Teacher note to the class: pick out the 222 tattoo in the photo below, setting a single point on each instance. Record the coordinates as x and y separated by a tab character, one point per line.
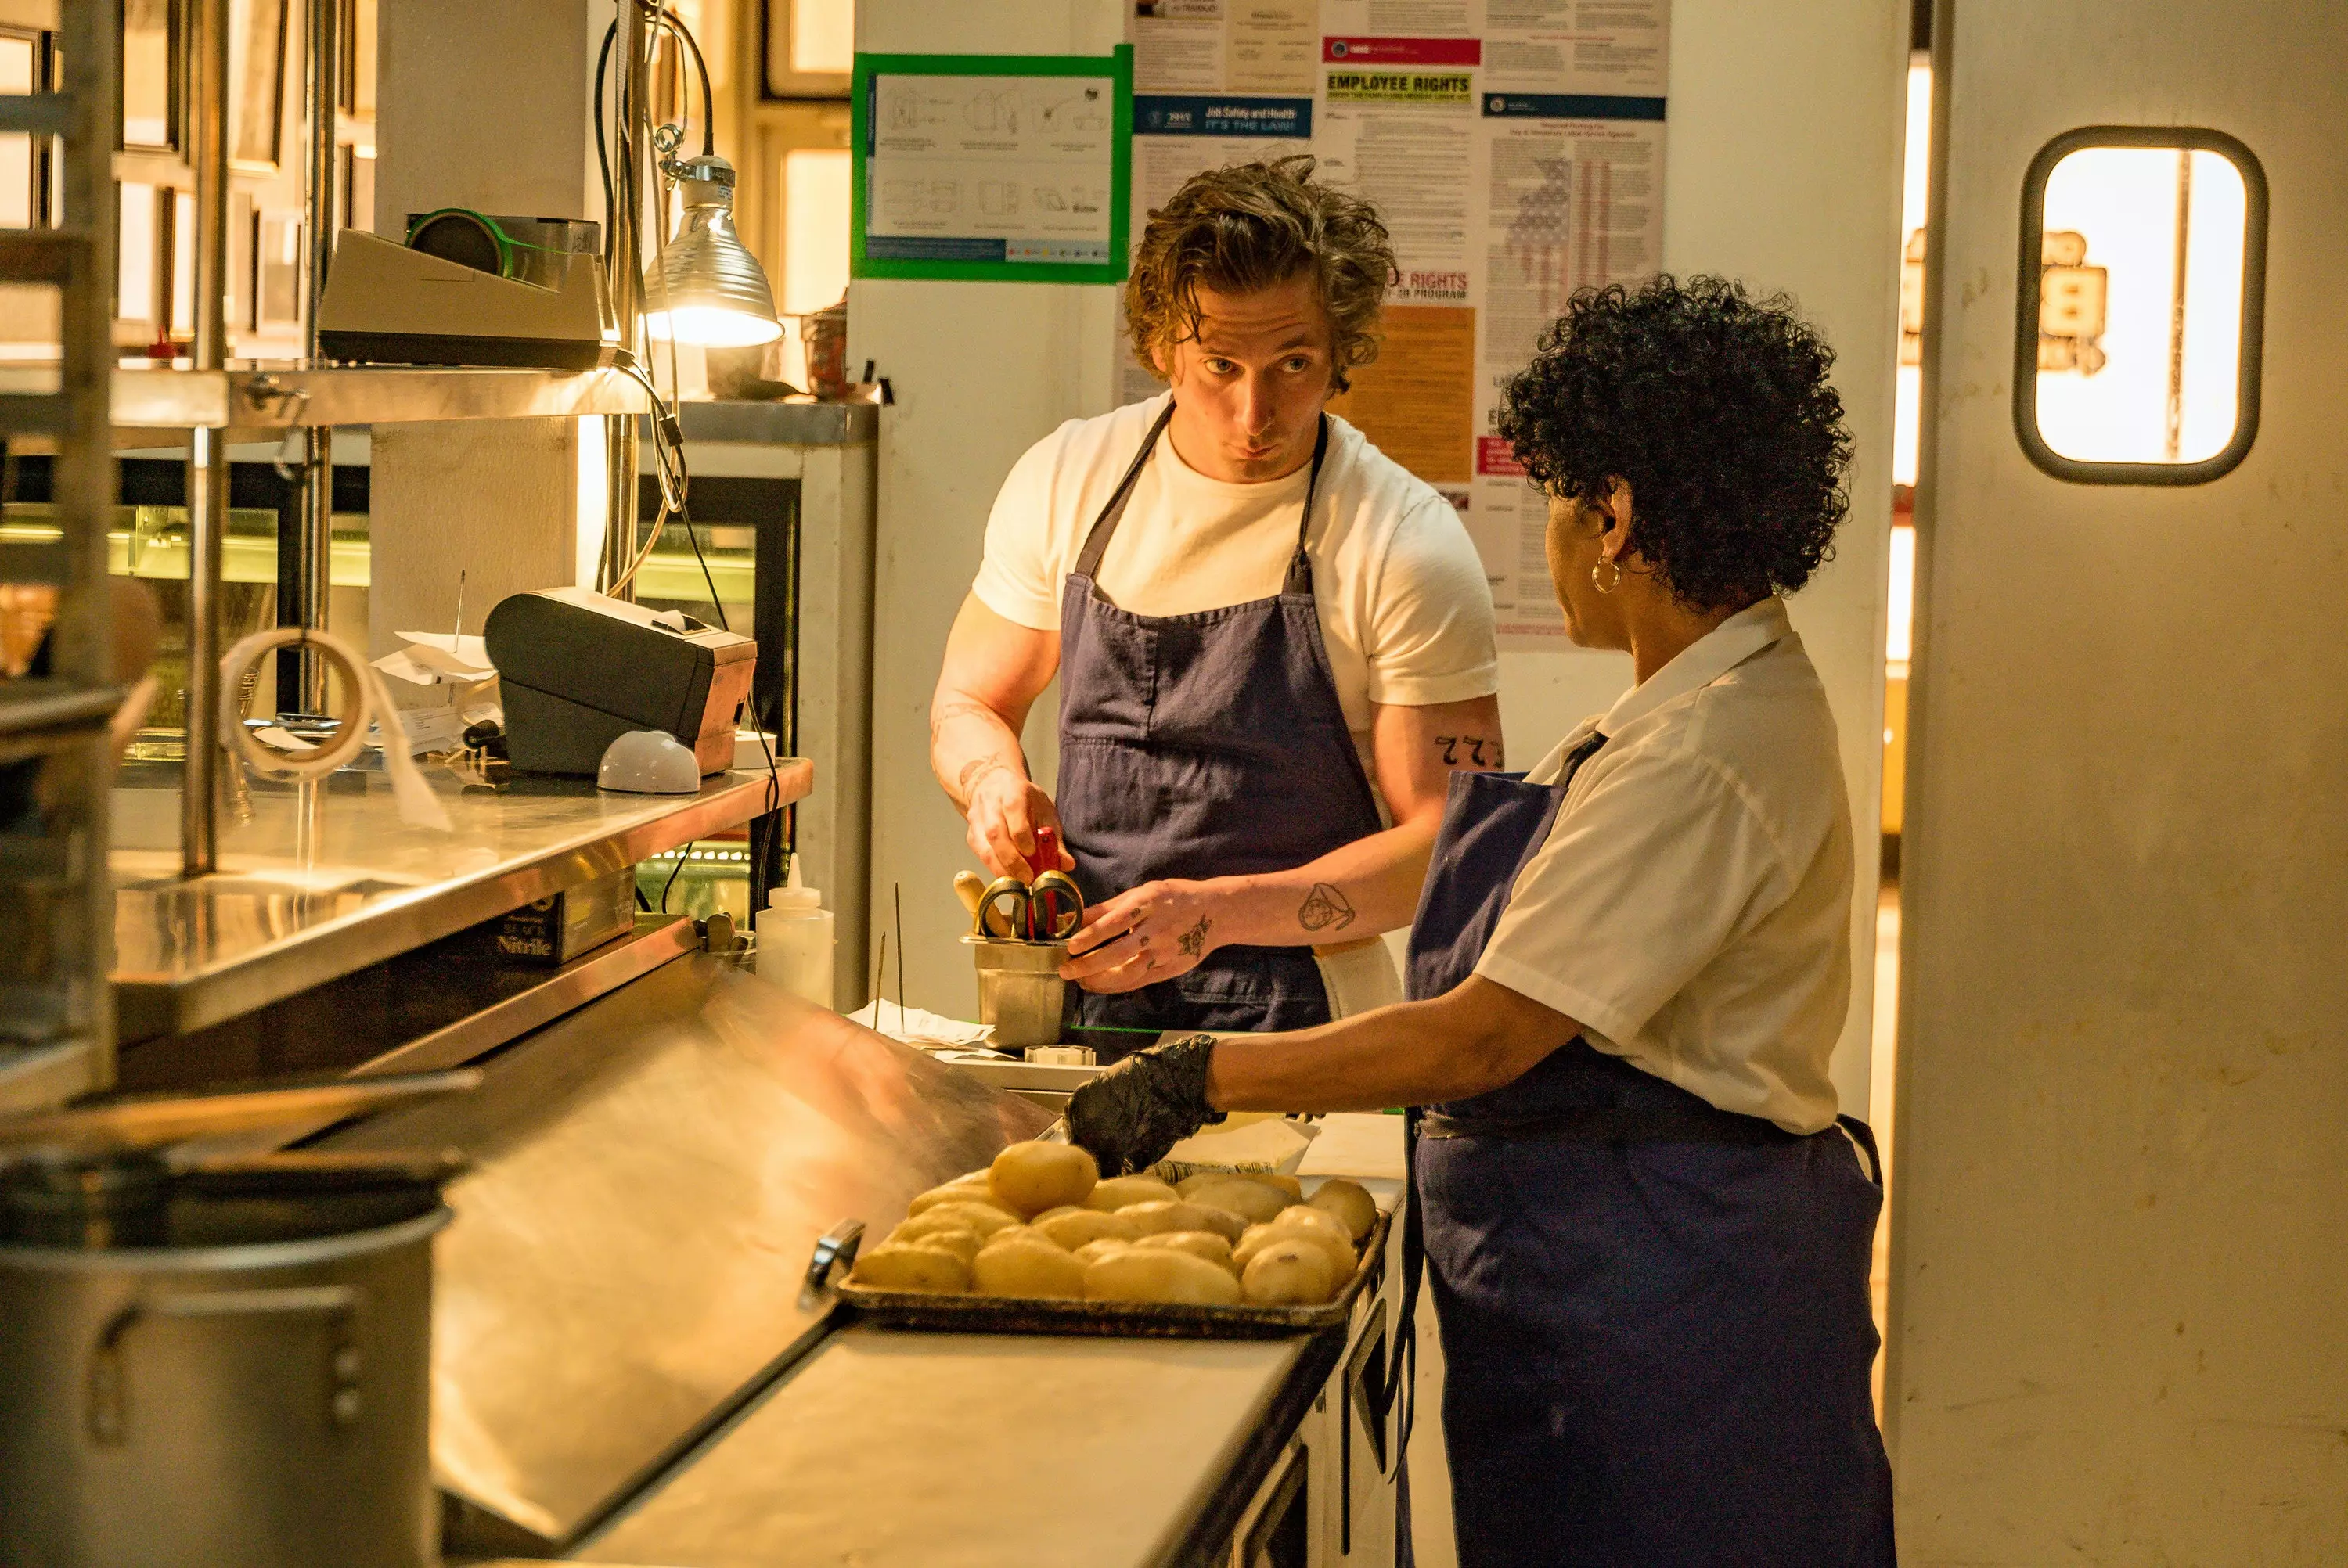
1193	942
1324	909
1475	744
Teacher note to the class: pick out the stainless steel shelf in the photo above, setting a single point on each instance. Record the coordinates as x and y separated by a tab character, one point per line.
250	400
782	424
307	893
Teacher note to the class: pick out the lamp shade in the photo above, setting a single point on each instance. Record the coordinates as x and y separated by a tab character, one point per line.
707	287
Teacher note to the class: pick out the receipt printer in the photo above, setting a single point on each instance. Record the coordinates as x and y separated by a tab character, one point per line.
576	671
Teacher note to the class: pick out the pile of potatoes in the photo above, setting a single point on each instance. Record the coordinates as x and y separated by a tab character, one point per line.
1040	1222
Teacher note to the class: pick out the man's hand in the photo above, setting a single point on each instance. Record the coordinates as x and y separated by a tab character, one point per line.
1004	811
1146	934
1130	1115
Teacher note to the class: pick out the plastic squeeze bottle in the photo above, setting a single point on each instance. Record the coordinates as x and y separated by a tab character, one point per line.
795	939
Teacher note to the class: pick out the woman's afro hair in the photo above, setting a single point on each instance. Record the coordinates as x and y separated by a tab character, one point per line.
1715	408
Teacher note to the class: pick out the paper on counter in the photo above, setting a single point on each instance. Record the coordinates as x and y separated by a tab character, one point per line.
433	656
918	1026
1270	1145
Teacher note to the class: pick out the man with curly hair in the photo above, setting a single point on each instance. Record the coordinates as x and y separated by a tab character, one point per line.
1274	644
1647	1230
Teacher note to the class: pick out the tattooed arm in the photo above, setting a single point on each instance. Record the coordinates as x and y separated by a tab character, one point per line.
994	671
1160	929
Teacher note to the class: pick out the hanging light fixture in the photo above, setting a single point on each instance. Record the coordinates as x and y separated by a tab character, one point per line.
706	287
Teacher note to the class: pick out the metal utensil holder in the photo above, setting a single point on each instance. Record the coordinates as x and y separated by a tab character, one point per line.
1020	990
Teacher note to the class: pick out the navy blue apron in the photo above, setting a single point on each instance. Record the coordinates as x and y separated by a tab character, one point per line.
1654	1313
1201	745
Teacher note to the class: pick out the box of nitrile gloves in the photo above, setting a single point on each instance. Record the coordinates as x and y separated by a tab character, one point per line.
557	929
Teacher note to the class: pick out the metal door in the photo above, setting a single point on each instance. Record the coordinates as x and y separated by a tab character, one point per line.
2120	1206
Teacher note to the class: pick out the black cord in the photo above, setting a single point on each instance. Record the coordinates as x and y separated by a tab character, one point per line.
603	154
708	98
672	876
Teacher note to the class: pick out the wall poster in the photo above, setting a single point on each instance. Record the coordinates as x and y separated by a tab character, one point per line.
1516	149
1003	168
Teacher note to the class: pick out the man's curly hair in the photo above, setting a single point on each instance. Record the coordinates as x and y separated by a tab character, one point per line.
1251	226
1715	408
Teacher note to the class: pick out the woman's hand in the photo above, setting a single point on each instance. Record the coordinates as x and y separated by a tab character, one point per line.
1007	809
1146	934
1131	1114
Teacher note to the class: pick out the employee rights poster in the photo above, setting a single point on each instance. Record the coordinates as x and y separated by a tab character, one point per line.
1516	150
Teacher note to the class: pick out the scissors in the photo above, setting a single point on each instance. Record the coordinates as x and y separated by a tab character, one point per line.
1048	909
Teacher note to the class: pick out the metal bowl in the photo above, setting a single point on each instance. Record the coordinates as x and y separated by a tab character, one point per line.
1020	990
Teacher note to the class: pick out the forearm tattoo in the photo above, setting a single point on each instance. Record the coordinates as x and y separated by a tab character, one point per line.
974	770
1324	909
1193	942
1471	751
960	708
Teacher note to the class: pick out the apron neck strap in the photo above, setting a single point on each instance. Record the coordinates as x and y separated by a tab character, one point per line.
1104	528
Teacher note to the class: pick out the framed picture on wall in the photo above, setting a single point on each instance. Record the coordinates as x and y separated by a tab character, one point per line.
256	73
154	64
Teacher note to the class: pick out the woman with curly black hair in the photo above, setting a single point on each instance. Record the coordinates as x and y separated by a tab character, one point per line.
1648	1231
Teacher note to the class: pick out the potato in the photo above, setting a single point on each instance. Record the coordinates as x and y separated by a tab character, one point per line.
1160	1274
1071	1228
1339	1252
984	1218
1032	1177
1093	1251
963	1243
1115	1192
1306	1217
1289	1271
1198	1243
1027	1265
1223	1222
1177	1215
956	1193
1250	1200
1350	1202
895	1265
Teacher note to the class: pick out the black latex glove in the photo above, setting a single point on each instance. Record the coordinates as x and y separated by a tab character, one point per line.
1130	1115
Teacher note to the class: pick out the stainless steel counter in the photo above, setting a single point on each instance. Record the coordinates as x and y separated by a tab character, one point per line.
650	1175
321	883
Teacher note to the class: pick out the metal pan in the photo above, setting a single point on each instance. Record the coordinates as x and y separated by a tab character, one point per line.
1125	1320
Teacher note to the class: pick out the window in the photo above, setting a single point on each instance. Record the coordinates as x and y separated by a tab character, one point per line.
2142	275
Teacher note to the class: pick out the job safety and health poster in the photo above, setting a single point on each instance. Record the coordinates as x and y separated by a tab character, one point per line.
1516	149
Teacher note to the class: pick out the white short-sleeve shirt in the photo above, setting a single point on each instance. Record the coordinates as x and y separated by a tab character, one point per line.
1404	605
1691	907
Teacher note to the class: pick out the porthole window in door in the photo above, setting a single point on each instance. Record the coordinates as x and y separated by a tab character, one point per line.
2141	285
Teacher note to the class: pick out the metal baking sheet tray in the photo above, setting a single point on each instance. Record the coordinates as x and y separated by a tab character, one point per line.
1133	1319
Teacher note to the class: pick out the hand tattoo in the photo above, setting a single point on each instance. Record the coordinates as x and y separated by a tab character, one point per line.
1193	942
1324	909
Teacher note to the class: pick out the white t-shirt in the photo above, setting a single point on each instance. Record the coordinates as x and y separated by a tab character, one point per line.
1692	905
1403	602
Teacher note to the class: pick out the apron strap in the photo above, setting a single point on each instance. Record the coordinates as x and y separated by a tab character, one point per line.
1864	1136
1103	526
1299	581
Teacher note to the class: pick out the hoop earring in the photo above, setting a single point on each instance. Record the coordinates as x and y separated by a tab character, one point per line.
1606	587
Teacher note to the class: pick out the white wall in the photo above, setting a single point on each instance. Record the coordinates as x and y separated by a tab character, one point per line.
982	371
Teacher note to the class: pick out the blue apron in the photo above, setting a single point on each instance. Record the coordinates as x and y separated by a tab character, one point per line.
1201	745
1654	1313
